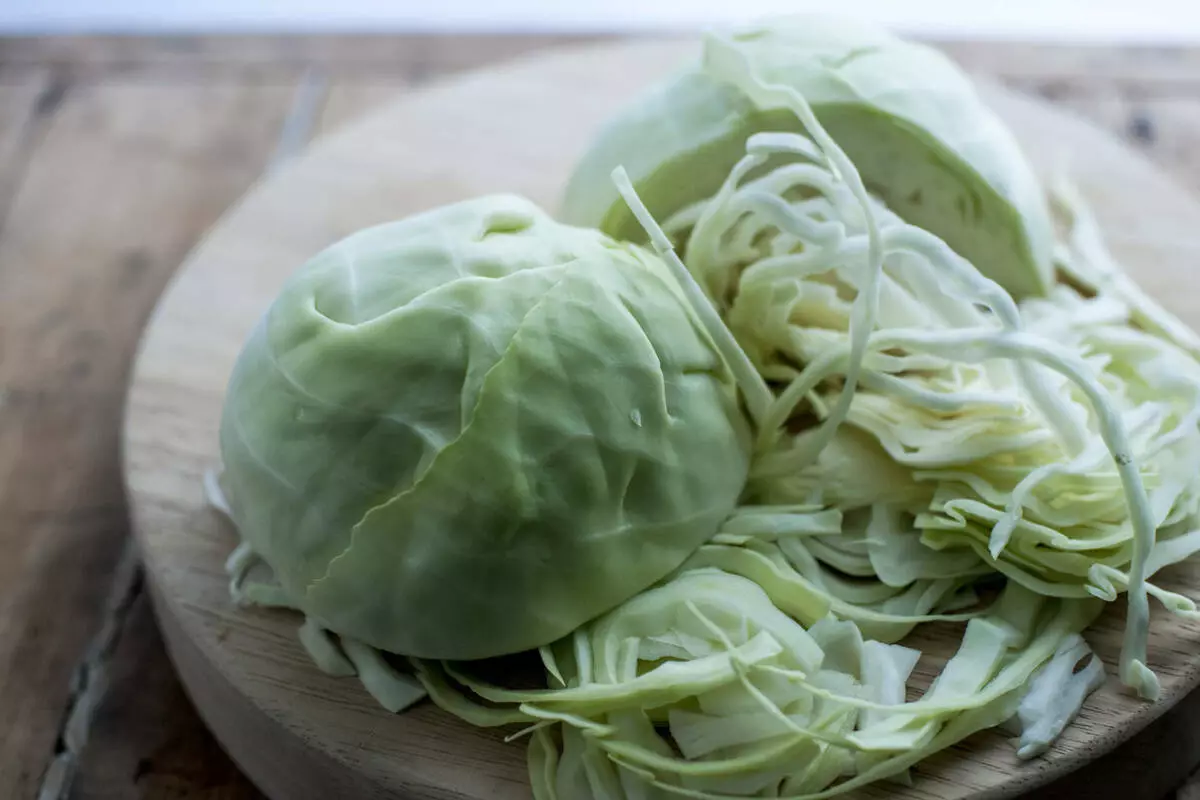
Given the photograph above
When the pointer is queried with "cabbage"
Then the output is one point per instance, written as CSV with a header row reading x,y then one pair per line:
x,y
469,432
925,449
1053,442
701,687
907,117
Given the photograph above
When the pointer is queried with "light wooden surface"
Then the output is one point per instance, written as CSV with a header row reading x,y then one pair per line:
x,y
106,188
69,660
519,128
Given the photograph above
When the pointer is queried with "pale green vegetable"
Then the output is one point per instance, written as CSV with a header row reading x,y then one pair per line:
x,y
467,433
393,690
702,688
330,653
326,652
907,117
1052,442
1056,694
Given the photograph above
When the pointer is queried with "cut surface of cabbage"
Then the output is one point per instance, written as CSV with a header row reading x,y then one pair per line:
x,y
913,122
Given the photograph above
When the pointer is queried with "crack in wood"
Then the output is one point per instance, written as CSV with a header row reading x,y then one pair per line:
x,y
52,96
49,98
89,682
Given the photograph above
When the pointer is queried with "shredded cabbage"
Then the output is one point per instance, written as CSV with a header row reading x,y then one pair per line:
x,y
703,688
1052,467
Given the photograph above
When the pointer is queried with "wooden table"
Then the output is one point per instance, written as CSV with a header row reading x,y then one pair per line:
x,y
116,154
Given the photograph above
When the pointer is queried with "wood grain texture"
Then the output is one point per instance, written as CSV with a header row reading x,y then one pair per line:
x,y
1166,69
518,129
121,178
442,53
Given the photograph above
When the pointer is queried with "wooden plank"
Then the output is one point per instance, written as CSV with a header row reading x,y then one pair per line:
x,y
1160,68
147,740
1164,68
409,54
120,183
354,92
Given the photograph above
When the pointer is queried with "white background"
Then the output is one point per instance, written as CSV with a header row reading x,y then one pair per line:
x,y
1080,20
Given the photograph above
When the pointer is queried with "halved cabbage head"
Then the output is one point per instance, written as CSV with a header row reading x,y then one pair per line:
x,y
467,433
908,118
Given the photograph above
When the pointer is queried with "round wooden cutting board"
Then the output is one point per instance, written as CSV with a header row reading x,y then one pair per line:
x,y
302,735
